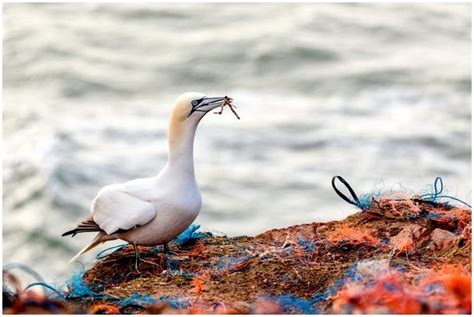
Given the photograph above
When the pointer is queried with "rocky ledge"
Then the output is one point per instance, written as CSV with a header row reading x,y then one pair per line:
x,y
397,256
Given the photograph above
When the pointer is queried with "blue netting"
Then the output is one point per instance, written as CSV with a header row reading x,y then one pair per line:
x,y
307,245
175,302
228,263
78,289
190,234
74,288
365,201
175,269
172,264
433,215
291,303
137,299
434,195
295,304
437,190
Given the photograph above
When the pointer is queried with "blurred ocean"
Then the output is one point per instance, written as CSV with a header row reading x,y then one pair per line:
x,y
378,93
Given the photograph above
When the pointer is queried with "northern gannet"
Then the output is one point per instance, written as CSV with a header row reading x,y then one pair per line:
x,y
155,210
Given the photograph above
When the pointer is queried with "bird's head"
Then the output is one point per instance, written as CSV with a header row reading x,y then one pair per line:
x,y
194,105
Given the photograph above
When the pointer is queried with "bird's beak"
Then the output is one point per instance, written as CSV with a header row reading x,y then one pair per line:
x,y
208,103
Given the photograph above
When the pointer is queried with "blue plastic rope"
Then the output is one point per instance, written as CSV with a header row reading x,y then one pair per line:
x,y
46,286
438,189
25,269
119,247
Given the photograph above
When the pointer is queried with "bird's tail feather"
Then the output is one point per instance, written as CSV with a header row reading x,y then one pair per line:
x,y
99,238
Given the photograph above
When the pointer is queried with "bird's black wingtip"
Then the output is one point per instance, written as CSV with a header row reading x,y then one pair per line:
x,y
70,232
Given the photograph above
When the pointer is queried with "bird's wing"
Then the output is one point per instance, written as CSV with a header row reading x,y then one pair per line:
x,y
87,225
114,209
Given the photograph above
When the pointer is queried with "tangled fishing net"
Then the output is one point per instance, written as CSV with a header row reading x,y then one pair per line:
x,y
400,254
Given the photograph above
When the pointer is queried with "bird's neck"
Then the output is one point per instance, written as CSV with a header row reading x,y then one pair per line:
x,y
181,144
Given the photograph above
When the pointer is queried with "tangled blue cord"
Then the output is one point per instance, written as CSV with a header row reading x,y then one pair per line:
x,y
34,274
24,268
436,194
365,201
43,284
119,247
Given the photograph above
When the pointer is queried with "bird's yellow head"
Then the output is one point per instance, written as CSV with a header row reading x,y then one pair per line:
x,y
189,109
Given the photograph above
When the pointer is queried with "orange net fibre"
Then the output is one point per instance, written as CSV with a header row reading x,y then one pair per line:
x,y
442,290
345,232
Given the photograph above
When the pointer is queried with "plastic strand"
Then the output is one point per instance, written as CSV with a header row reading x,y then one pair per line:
x,y
45,285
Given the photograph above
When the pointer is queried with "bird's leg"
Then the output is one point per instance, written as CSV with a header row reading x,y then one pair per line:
x,y
167,249
137,256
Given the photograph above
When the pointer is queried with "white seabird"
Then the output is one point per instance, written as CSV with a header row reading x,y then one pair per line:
x,y
155,210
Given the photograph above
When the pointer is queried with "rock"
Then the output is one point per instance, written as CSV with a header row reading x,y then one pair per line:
x,y
406,239
442,240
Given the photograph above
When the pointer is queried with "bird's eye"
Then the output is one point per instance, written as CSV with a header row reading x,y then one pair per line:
x,y
194,103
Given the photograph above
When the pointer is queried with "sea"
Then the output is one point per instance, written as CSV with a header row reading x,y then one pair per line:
x,y
377,93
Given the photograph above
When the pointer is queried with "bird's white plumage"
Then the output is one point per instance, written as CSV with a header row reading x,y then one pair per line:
x,y
115,209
